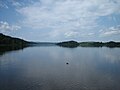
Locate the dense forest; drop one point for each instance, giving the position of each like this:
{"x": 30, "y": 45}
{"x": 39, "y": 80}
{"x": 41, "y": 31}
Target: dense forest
{"x": 73, "y": 44}
{"x": 8, "y": 43}
{"x": 70, "y": 44}
{"x": 7, "y": 40}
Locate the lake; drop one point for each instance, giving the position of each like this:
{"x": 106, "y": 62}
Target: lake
{"x": 58, "y": 68}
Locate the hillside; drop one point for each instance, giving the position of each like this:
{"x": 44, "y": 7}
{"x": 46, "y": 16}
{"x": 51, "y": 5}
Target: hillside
{"x": 100, "y": 44}
{"x": 70, "y": 44}
{"x": 8, "y": 43}
{"x": 11, "y": 41}
{"x": 73, "y": 44}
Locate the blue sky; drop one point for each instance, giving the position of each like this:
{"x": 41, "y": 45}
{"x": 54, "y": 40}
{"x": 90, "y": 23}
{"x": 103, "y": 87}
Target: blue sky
{"x": 60, "y": 20}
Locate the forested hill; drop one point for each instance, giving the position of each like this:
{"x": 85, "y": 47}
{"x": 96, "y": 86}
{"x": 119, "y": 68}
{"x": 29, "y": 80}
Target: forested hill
{"x": 7, "y": 40}
{"x": 73, "y": 44}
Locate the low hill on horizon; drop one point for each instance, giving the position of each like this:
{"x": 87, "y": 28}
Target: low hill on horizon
{"x": 16, "y": 42}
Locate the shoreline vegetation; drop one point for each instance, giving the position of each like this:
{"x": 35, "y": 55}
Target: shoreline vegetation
{"x": 73, "y": 44}
{"x": 11, "y": 43}
{"x": 8, "y": 43}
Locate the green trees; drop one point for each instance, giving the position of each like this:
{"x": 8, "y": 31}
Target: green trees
{"x": 91, "y": 44}
{"x": 73, "y": 44}
{"x": 70, "y": 44}
{"x": 10, "y": 41}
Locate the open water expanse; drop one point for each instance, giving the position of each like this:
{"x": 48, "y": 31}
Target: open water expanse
{"x": 58, "y": 68}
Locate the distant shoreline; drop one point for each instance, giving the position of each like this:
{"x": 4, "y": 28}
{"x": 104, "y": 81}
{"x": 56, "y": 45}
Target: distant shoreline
{"x": 89, "y": 44}
{"x": 7, "y": 41}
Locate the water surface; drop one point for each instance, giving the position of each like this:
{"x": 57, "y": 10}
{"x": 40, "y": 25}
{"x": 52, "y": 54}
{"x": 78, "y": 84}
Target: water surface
{"x": 45, "y": 68}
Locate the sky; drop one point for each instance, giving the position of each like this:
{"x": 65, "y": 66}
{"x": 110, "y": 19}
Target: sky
{"x": 61, "y": 20}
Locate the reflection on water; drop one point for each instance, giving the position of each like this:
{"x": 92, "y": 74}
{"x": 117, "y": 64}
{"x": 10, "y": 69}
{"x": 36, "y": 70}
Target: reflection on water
{"x": 4, "y": 49}
{"x": 45, "y": 68}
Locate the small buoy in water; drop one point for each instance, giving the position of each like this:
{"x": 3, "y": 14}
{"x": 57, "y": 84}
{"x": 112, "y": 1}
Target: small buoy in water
{"x": 67, "y": 63}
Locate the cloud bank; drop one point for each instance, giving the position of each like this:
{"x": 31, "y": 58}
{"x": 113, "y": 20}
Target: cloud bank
{"x": 64, "y": 19}
{"x": 6, "y": 27}
{"x": 72, "y": 16}
{"x": 111, "y": 31}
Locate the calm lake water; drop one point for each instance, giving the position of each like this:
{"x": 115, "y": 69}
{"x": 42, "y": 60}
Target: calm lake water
{"x": 45, "y": 68}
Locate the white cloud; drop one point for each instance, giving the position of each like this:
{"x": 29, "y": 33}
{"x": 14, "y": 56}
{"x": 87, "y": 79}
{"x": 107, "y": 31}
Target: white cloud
{"x": 15, "y": 3}
{"x": 69, "y": 15}
{"x": 5, "y": 26}
{"x": 110, "y": 31}
{"x": 66, "y": 11}
{"x": 90, "y": 34}
{"x": 3, "y": 5}
{"x": 71, "y": 34}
